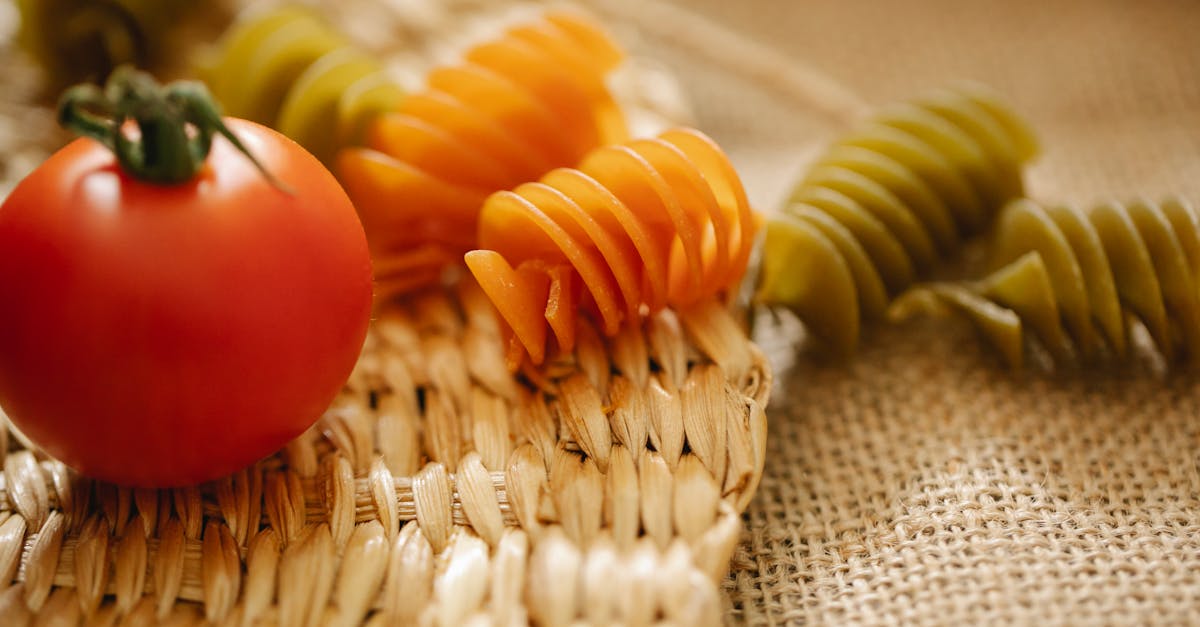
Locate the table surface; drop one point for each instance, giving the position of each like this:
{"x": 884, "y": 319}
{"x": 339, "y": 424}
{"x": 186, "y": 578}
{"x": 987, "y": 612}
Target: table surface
{"x": 923, "y": 483}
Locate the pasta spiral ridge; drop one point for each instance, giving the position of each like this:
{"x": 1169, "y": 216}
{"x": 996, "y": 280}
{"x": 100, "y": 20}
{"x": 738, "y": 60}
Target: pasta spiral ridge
{"x": 635, "y": 228}
{"x": 289, "y": 69}
{"x": 888, "y": 201}
{"x": 1074, "y": 278}
{"x": 532, "y": 100}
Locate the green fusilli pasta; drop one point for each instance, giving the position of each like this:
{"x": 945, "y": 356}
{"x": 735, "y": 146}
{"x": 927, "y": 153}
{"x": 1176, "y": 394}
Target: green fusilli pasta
{"x": 887, "y": 202}
{"x": 1075, "y": 279}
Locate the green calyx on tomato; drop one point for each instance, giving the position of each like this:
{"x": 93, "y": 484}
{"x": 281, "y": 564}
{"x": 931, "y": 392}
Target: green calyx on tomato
{"x": 176, "y": 124}
{"x": 157, "y": 334}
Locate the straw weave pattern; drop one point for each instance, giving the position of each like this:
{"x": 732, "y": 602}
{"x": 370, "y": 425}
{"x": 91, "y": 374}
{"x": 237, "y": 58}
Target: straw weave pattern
{"x": 436, "y": 489}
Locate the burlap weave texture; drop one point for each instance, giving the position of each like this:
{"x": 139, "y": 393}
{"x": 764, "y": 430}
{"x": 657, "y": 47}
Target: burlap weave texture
{"x": 924, "y": 484}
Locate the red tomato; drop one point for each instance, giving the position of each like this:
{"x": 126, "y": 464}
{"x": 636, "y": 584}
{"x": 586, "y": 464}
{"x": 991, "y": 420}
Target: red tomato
{"x": 160, "y": 335}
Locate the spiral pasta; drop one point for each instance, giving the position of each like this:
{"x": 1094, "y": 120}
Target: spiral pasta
{"x": 519, "y": 106}
{"x": 886, "y": 202}
{"x": 635, "y": 228}
{"x": 1071, "y": 277}
{"x": 289, "y": 69}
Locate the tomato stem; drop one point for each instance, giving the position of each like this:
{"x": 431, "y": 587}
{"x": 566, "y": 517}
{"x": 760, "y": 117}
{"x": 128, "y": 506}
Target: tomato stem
{"x": 175, "y": 125}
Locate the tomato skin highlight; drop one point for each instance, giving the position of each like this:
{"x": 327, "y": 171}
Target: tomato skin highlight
{"x": 157, "y": 335}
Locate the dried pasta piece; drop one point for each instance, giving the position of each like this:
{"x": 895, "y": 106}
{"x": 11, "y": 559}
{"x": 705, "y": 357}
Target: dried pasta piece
{"x": 886, "y": 203}
{"x": 312, "y": 101}
{"x": 1023, "y": 227}
{"x": 532, "y": 100}
{"x": 637, "y": 227}
{"x": 287, "y": 68}
{"x": 1074, "y": 278}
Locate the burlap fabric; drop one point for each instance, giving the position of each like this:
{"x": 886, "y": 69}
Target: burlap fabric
{"x": 923, "y": 484}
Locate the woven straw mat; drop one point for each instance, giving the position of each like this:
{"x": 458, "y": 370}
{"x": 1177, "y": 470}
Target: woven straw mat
{"x": 605, "y": 486}
{"x": 919, "y": 484}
